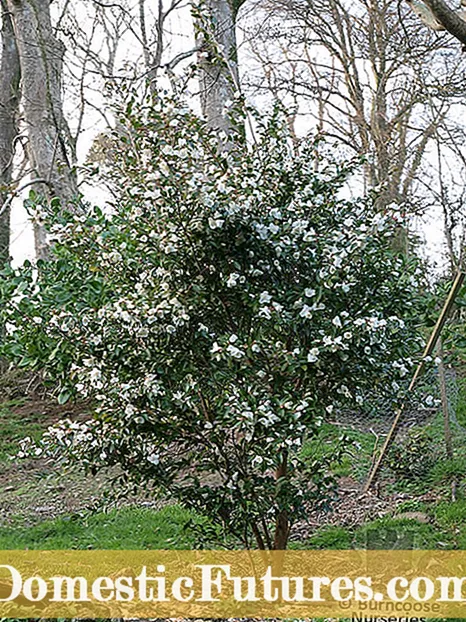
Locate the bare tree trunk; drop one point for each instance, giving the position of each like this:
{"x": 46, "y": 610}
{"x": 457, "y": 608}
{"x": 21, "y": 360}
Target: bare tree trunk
{"x": 218, "y": 63}
{"x": 9, "y": 89}
{"x": 41, "y": 58}
{"x": 9, "y": 99}
{"x": 282, "y": 524}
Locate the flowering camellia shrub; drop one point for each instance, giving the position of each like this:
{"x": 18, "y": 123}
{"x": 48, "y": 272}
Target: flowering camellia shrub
{"x": 227, "y": 304}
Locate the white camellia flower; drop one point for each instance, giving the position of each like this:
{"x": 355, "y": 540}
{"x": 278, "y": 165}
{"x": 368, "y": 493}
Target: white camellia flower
{"x": 130, "y": 410}
{"x": 216, "y": 223}
{"x": 95, "y": 374}
{"x": 153, "y": 459}
{"x": 313, "y": 355}
{"x": 306, "y": 312}
{"x": 265, "y": 298}
{"x": 269, "y": 419}
{"x": 337, "y": 322}
{"x": 309, "y": 292}
{"x": 265, "y": 312}
{"x": 403, "y": 370}
{"x": 233, "y": 280}
{"x": 234, "y": 352}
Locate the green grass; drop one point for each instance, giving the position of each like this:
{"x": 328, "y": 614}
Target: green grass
{"x": 447, "y": 531}
{"x": 129, "y": 528}
{"x": 175, "y": 528}
{"x": 402, "y": 534}
{"x": 412, "y": 505}
{"x": 452, "y": 516}
{"x": 331, "y": 537}
{"x": 14, "y": 427}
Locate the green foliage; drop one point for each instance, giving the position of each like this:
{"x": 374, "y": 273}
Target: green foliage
{"x": 445, "y": 469}
{"x": 414, "y": 456}
{"x": 451, "y": 514}
{"x": 412, "y": 505}
{"x": 226, "y": 305}
{"x": 461, "y": 406}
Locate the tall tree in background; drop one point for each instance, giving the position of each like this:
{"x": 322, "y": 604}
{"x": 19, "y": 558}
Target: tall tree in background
{"x": 368, "y": 73}
{"x": 9, "y": 99}
{"x": 215, "y": 23}
{"x": 41, "y": 59}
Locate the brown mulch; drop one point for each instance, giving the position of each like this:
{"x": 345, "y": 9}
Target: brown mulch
{"x": 355, "y": 507}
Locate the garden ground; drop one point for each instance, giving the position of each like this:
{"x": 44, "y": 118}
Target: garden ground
{"x": 44, "y": 506}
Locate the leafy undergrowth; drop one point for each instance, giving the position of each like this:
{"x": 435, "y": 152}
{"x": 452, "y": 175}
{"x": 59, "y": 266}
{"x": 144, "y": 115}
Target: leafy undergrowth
{"x": 418, "y": 461}
{"x": 461, "y": 409}
{"x": 356, "y": 458}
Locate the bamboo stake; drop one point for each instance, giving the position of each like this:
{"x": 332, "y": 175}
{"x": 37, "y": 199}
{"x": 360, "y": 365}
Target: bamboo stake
{"x": 458, "y": 282}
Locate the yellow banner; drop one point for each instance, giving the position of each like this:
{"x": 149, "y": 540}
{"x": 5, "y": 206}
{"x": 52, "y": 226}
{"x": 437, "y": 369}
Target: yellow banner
{"x": 413, "y": 585}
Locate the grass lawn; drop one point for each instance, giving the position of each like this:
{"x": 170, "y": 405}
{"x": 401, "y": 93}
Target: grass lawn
{"x": 128, "y": 528}
{"x": 173, "y": 527}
